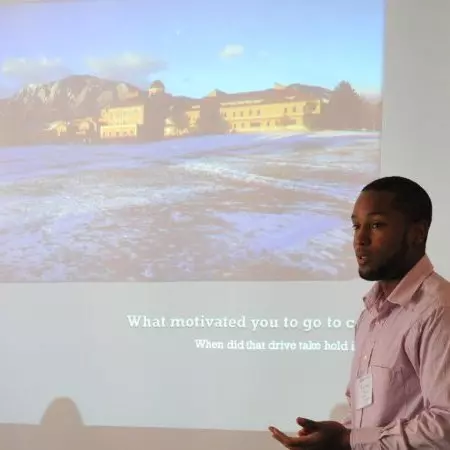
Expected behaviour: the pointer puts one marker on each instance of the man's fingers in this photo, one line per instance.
(301, 441)
(307, 423)
(283, 438)
(280, 436)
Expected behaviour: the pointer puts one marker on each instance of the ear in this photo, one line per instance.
(419, 233)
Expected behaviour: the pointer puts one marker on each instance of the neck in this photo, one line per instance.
(389, 285)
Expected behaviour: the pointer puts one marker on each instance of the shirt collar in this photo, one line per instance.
(407, 287)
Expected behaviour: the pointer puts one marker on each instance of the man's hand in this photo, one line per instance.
(315, 436)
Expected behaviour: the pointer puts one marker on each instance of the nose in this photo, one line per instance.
(362, 237)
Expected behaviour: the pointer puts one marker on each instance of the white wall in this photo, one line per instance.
(416, 134)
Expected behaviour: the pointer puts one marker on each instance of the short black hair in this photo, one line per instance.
(410, 198)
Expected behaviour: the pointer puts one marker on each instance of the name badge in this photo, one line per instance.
(364, 391)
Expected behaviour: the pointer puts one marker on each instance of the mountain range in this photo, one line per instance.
(72, 97)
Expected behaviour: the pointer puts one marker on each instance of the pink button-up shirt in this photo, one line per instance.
(404, 342)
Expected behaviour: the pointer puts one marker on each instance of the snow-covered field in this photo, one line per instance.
(235, 207)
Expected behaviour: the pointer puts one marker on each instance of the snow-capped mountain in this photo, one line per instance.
(71, 97)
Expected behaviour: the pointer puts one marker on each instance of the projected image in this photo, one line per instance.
(203, 142)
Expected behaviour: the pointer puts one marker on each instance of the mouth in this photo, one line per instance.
(362, 259)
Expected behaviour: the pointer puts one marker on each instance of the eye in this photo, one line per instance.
(377, 225)
(355, 226)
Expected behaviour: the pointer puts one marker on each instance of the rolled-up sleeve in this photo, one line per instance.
(431, 428)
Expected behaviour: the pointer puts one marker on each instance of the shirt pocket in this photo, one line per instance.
(388, 395)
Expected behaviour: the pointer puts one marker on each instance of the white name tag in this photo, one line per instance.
(364, 391)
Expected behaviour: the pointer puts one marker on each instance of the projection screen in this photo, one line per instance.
(176, 187)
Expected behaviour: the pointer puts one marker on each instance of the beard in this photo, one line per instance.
(392, 268)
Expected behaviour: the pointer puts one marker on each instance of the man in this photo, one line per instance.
(399, 390)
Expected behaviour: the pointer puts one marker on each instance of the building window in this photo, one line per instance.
(242, 113)
(242, 125)
(250, 112)
(294, 109)
(258, 113)
(285, 110)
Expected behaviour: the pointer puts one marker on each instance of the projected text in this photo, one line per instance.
(253, 324)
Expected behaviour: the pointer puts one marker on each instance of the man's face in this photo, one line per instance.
(382, 237)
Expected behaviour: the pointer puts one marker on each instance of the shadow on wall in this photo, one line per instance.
(62, 428)
(339, 412)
